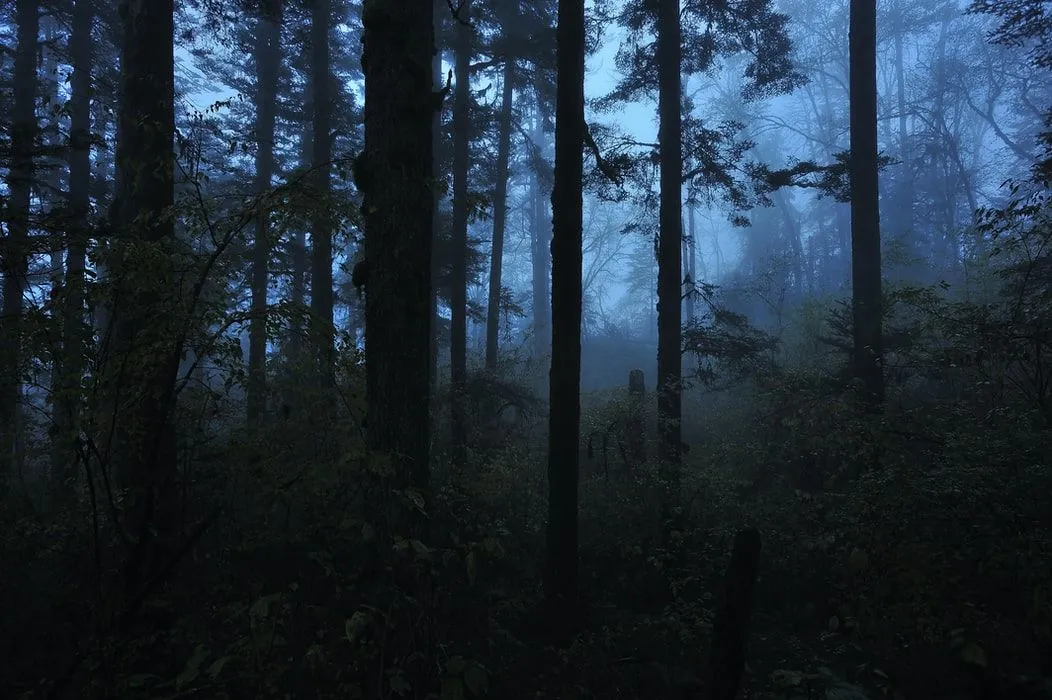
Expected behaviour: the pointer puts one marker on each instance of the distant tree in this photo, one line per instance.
(394, 174)
(19, 182)
(565, 392)
(321, 294)
(67, 402)
(458, 278)
(500, 196)
(865, 212)
(267, 53)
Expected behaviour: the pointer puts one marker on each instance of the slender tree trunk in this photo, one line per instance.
(904, 208)
(268, 64)
(865, 216)
(500, 209)
(670, 222)
(74, 328)
(398, 41)
(19, 182)
(321, 295)
(459, 248)
(564, 417)
(436, 192)
(540, 235)
(692, 260)
(298, 244)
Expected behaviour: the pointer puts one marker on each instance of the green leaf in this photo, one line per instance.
(355, 625)
(193, 667)
(476, 679)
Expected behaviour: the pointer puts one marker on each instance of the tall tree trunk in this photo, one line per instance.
(321, 295)
(692, 260)
(298, 243)
(670, 358)
(459, 249)
(397, 44)
(903, 218)
(436, 191)
(500, 208)
(564, 418)
(74, 329)
(146, 330)
(540, 237)
(19, 182)
(865, 216)
(268, 64)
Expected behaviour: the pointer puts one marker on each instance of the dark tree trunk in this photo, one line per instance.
(145, 346)
(397, 206)
(670, 221)
(19, 182)
(865, 217)
(458, 300)
(692, 261)
(564, 417)
(268, 64)
(436, 192)
(321, 295)
(298, 242)
(500, 209)
(74, 328)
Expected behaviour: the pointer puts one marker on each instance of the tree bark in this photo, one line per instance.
(268, 64)
(865, 216)
(397, 45)
(567, 228)
(540, 236)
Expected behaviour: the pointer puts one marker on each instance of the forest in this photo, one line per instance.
(569, 349)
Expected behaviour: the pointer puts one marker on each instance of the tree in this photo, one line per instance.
(567, 231)
(670, 300)
(321, 296)
(267, 52)
(865, 213)
(458, 299)
(500, 196)
(19, 181)
(394, 173)
(74, 332)
(141, 359)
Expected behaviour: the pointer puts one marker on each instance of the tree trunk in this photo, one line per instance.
(321, 295)
(692, 260)
(397, 44)
(436, 191)
(268, 64)
(500, 209)
(669, 262)
(865, 217)
(298, 244)
(19, 183)
(540, 237)
(145, 339)
(564, 417)
(459, 249)
(74, 329)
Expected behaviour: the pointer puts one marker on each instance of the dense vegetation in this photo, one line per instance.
(307, 392)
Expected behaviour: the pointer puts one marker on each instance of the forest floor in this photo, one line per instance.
(929, 579)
